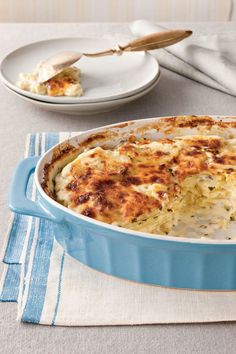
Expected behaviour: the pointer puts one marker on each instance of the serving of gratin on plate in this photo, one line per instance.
(65, 83)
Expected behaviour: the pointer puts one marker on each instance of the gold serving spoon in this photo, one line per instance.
(57, 63)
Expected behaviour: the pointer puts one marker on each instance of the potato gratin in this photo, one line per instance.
(66, 83)
(158, 186)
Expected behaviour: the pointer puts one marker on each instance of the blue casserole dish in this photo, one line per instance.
(178, 262)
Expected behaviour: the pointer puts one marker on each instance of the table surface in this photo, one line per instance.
(173, 95)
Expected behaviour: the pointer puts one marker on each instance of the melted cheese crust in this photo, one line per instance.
(169, 186)
(66, 83)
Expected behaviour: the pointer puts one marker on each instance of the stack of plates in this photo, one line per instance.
(108, 82)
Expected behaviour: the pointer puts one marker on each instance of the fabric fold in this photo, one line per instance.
(209, 59)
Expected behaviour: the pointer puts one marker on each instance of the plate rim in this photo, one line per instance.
(82, 98)
(80, 105)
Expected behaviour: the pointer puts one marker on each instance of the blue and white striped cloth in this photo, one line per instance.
(52, 288)
(27, 254)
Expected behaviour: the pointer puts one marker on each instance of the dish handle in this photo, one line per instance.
(18, 200)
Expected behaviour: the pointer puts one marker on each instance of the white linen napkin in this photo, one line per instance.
(209, 59)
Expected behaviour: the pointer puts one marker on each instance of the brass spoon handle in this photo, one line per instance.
(149, 42)
(55, 64)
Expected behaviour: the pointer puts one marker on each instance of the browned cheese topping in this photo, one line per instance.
(141, 182)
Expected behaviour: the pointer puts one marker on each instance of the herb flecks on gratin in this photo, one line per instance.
(168, 186)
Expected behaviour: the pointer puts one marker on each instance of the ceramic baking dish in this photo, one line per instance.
(178, 262)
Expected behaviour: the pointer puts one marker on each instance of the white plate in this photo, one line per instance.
(86, 108)
(102, 79)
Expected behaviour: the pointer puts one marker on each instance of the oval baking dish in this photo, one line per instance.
(179, 262)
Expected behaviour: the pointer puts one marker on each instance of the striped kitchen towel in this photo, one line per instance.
(52, 288)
